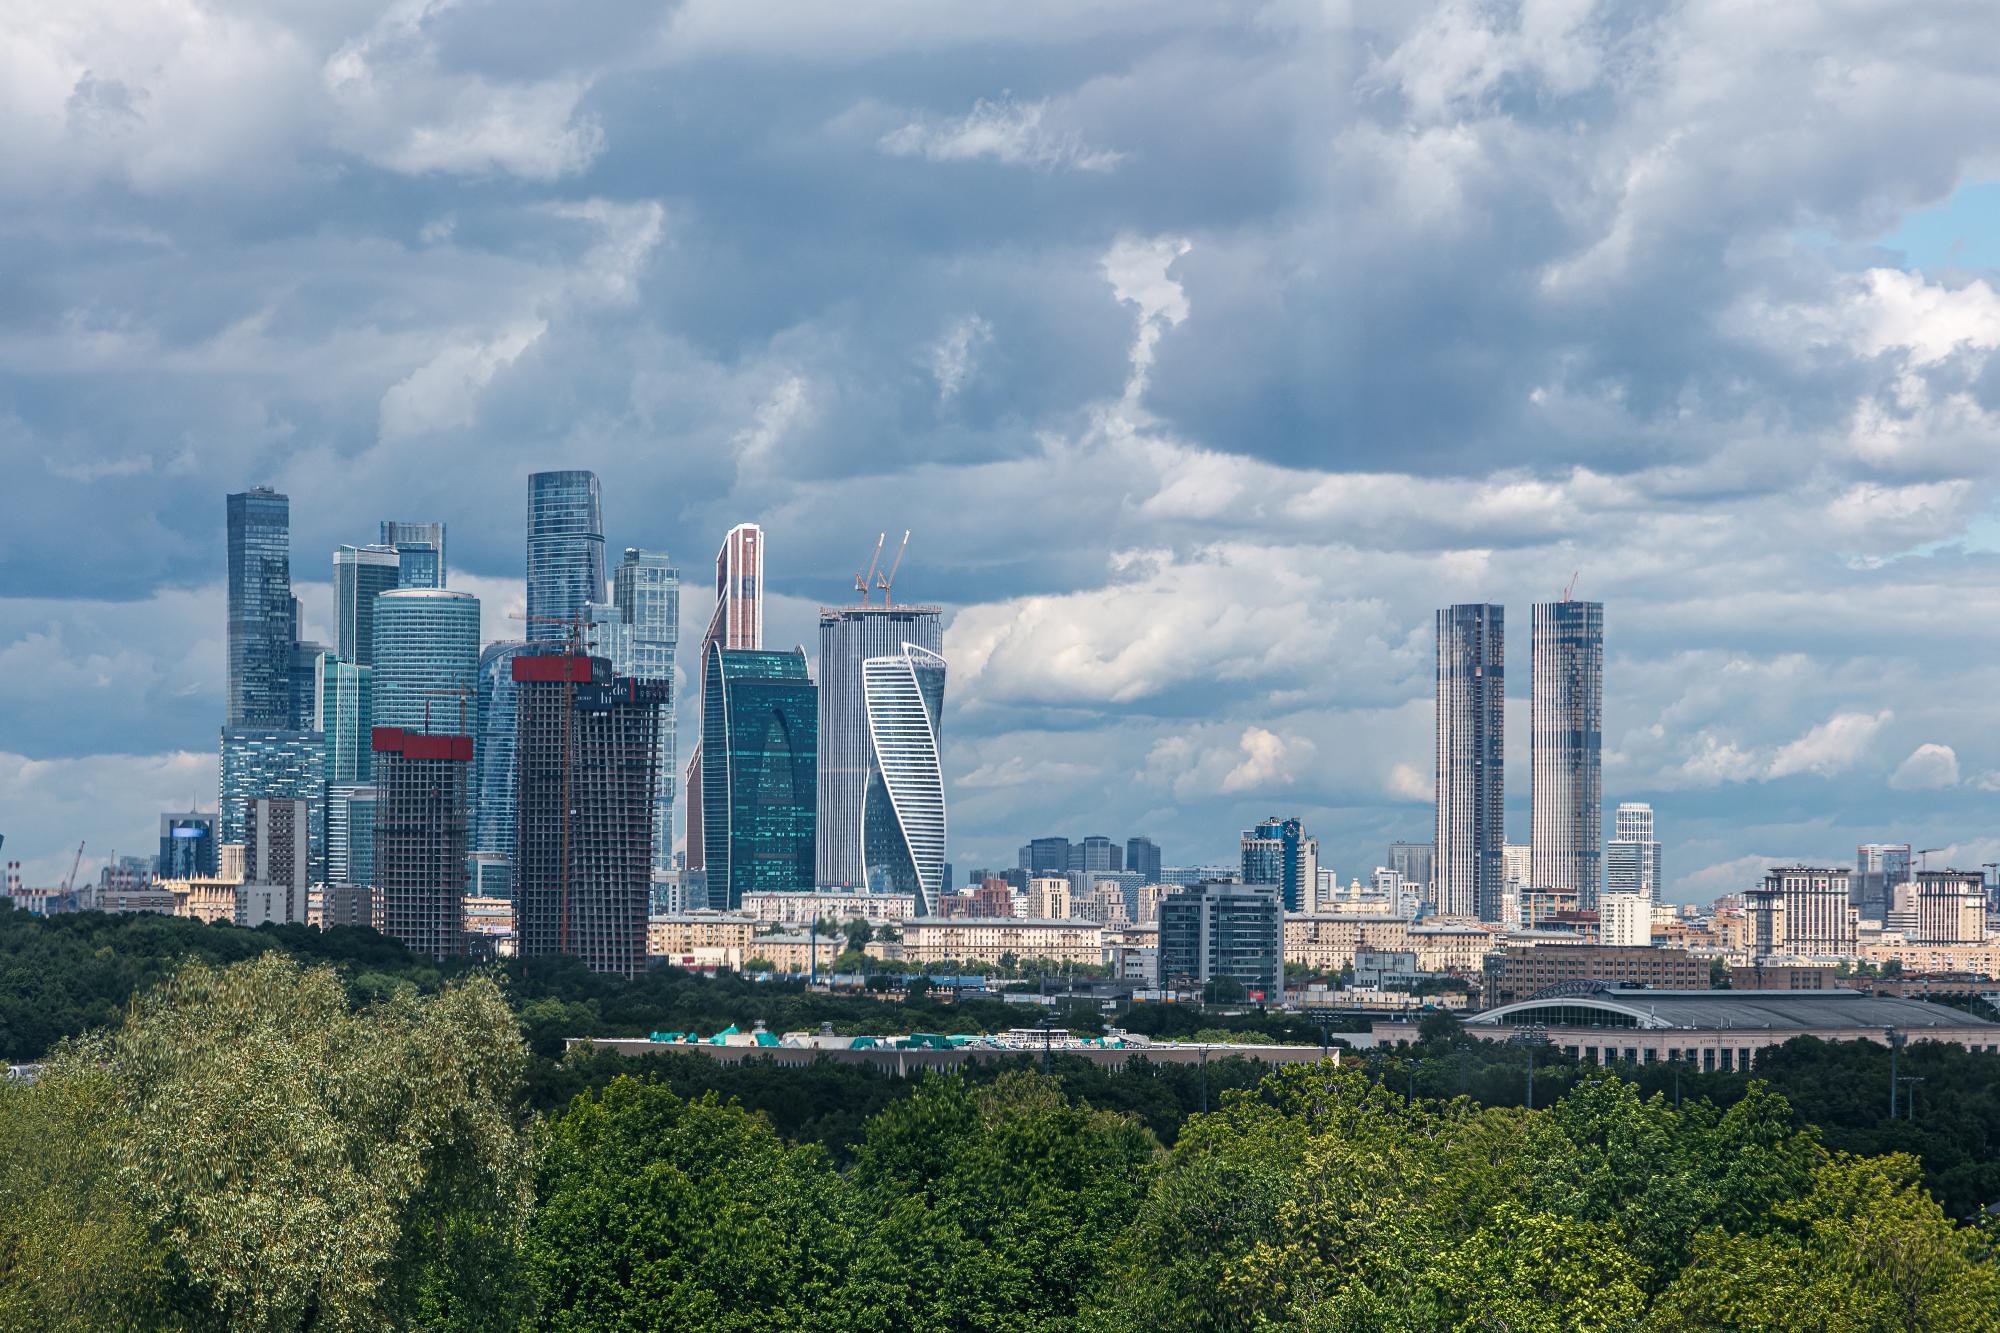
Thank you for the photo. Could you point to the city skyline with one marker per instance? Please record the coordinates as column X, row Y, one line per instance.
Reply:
column 1137, row 324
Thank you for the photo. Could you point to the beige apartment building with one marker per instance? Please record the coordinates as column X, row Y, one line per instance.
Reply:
column 1328, row 941
column 683, row 935
column 928, row 940
column 798, row 908
column 204, row 899
column 1048, row 899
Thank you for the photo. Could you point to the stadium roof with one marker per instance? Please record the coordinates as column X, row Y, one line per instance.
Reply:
column 1721, row 1010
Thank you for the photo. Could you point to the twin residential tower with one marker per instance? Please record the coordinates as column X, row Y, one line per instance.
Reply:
column 1566, row 725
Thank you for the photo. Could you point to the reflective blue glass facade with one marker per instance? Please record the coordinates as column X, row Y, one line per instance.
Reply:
column 495, row 775
column 565, row 550
column 346, row 712
column 276, row 763
column 418, row 536
column 646, row 588
column 261, row 617
column 759, row 774
column 360, row 575
column 426, row 653
column 188, row 845
column 350, row 835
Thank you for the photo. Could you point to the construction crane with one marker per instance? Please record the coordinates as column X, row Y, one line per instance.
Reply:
column 1570, row 587
column 1923, row 865
column 887, row 581
column 863, row 582
column 459, row 693
column 70, row 883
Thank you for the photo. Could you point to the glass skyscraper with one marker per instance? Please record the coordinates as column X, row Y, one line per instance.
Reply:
column 188, row 845
column 1566, row 734
column 903, row 821
column 350, row 835
column 360, row 574
column 1278, row 852
column 426, row 656
column 495, row 777
column 345, row 715
column 1632, row 857
column 848, row 638
column 565, row 550
column 419, row 551
column 262, row 622
column 646, row 588
column 1471, row 745
column 759, row 773
column 737, row 622
column 274, row 763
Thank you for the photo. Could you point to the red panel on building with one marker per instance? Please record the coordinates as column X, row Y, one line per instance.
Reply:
column 566, row 667
column 411, row 745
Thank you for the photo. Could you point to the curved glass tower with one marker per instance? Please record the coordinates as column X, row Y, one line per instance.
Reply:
column 426, row 654
column 903, row 815
column 565, row 550
column 495, row 780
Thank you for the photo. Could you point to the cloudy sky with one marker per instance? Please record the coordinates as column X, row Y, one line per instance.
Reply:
column 1205, row 349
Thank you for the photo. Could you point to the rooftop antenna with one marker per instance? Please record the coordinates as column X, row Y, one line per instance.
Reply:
column 889, row 579
column 863, row 581
column 1570, row 587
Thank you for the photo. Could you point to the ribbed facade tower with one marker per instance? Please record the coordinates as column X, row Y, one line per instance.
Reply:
column 1471, row 740
column 1566, row 732
column 903, row 818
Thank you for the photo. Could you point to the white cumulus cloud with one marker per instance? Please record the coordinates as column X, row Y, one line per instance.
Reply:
column 1928, row 767
column 1017, row 133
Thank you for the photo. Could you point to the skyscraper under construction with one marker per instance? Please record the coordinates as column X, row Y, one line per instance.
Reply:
column 588, row 785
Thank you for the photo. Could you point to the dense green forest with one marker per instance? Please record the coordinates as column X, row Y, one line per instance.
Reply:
column 279, row 1130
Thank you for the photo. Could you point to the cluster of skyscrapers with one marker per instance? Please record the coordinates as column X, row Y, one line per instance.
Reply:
column 425, row 764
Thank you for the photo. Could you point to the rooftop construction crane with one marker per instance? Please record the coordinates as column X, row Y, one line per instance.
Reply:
column 1570, row 587
column 70, row 883
column 863, row 582
column 887, row 581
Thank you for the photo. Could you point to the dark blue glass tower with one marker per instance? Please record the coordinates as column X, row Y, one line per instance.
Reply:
column 565, row 550
column 759, row 773
column 261, row 617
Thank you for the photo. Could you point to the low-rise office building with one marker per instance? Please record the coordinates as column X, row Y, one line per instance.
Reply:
column 1222, row 931
column 997, row 940
column 806, row 906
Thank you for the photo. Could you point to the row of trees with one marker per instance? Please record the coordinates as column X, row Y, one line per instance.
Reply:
column 62, row 976
column 249, row 1149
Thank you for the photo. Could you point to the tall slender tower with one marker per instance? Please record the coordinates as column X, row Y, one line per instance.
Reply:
column 646, row 589
column 760, row 731
column 586, row 747
column 565, row 550
column 1566, row 742
column 1471, row 737
column 737, row 622
column 262, row 621
column 849, row 765
column 902, row 819
column 360, row 575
